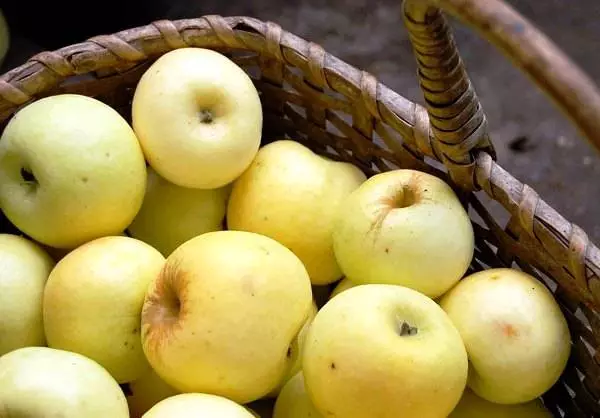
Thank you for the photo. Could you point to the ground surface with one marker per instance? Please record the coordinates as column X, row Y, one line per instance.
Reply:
column 555, row 159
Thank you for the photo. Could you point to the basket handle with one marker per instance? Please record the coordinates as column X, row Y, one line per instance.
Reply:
column 458, row 123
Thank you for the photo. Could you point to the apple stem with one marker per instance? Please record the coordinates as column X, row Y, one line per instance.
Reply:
column 407, row 329
column 206, row 116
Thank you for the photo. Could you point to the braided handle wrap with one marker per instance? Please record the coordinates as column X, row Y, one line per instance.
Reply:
column 458, row 124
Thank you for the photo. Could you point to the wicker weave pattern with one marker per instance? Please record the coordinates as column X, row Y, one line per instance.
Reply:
column 340, row 111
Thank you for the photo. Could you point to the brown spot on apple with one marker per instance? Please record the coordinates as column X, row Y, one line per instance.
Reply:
column 332, row 366
column 508, row 330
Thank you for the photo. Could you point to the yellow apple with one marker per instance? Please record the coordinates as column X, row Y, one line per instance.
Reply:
column 516, row 336
column 381, row 350
column 24, row 269
column 171, row 214
column 404, row 227
column 145, row 392
column 93, row 303
column 71, row 170
column 472, row 406
column 4, row 37
column 293, row 400
column 223, row 312
column 46, row 382
column 291, row 194
column 194, row 405
column 343, row 285
column 295, row 353
column 198, row 117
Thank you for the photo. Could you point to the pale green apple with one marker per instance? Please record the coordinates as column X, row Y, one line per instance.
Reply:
column 46, row 382
column 291, row 194
column 342, row 286
column 71, row 170
column 293, row 400
column 198, row 117
column 472, row 406
column 295, row 353
column 145, row 392
column 93, row 303
column 404, row 227
column 24, row 269
column 386, row 351
column 222, row 314
column 4, row 37
column 171, row 214
column 516, row 335
column 195, row 405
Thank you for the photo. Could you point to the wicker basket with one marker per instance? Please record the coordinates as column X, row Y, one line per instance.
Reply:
column 343, row 112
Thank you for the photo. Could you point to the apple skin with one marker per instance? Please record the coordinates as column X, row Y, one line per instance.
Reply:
column 147, row 391
column 404, row 227
column 472, row 406
column 296, row 356
column 168, row 115
column 171, row 214
column 360, row 361
column 193, row 405
column 25, row 267
column 88, row 170
column 46, row 382
column 515, row 334
column 293, row 400
column 223, row 312
column 291, row 194
column 93, row 303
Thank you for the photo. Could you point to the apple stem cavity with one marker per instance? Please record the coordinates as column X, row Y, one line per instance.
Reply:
column 407, row 330
column 28, row 176
column 206, row 116
column 406, row 198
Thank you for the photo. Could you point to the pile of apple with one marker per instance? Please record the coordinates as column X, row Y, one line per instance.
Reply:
column 170, row 268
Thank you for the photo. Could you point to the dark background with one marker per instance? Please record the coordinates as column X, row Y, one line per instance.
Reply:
column 534, row 141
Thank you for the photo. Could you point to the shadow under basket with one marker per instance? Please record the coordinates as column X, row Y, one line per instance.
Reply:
column 342, row 112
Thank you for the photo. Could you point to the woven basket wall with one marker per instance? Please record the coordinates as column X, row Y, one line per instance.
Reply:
column 342, row 112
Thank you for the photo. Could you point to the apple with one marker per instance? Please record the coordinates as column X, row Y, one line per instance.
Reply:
column 71, row 170
column 291, row 194
column 145, row 392
column 171, row 214
column 404, row 227
column 4, row 37
column 295, row 357
column 472, row 406
column 93, row 303
column 381, row 350
column 515, row 334
column 198, row 117
column 293, row 400
column 193, row 405
column 222, row 314
column 46, row 382
column 342, row 286
column 25, row 267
